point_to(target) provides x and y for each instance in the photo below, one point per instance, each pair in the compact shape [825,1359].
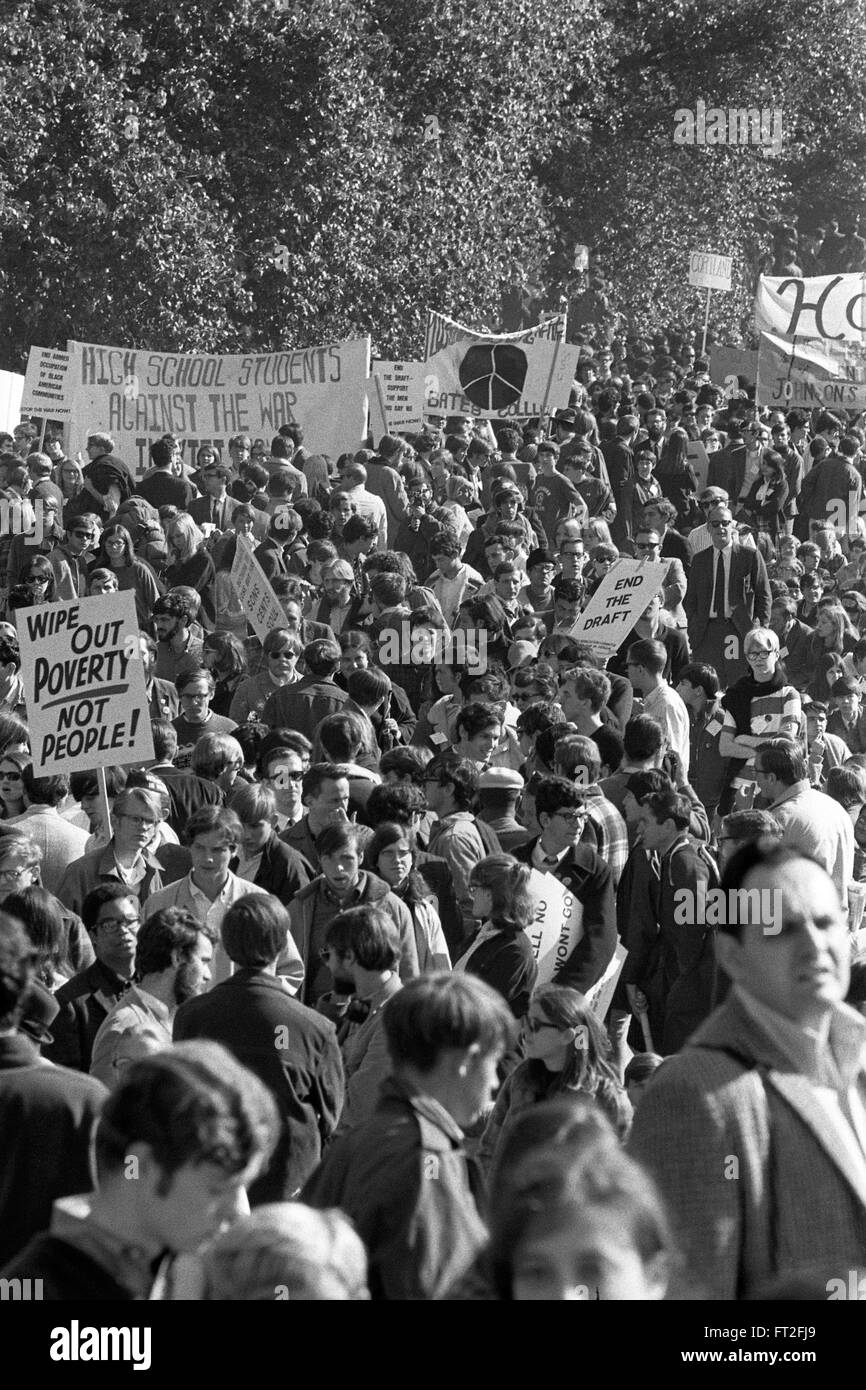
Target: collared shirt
[726,560]
[185,893]
[547,862]
[137,1026]
[832,1058]
[665,705]
[487,931]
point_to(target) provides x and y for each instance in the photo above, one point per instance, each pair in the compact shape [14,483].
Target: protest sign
[557,925]
[84,684]
[256,597]
[710,271]
[819,306]
[698,458]
[137,396]
[396,397]
[46,384]
[600,995]
[497,376]
[617,604]
[728,363]
[11,389]
[813,373]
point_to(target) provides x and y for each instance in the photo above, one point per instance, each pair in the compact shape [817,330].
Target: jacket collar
[439,1130]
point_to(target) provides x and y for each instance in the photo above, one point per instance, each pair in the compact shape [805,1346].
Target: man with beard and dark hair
[172,964]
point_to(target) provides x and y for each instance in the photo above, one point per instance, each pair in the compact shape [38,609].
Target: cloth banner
[617,603]
[84,684]
[254,591]
[396,398]
[820,306]
[137,396]
[828,374]
[11,400]
[46,384]
[497,376]
[727,363]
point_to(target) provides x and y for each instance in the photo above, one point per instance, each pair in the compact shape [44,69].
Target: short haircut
[49,791]
[322,656]
[191,1104]
[847,785]
[253,802]
[762,853]
[443,1012]
[197,673]
[368,686]
[341,736]
[322,772]
[702,677]
[590,684]
[255,930]
[459,773]
[276,743]
[610,746]
[359,528]
[83,784]
[407,760]
[651,655]
[370,933]
[208,818]
[750,825]
[643,738]
[336,839]
[214,754]
[168,931]
[670,805]
[103,893]
[474,717]
[784,759]
[398,802]
[388,589]
[578,751]
[165,740]
[136,798]
[554,793]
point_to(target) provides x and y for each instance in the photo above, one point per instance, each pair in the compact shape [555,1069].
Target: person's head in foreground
[286,1251]
[579,1221]
[446,1034]
[193,1128]
[787,942]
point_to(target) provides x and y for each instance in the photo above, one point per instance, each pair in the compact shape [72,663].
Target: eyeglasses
[284,775]
[537,1025]
[85,535]
[571,816]
[645,545]
[721,525]
[116,926]
[10,777]
[135,820]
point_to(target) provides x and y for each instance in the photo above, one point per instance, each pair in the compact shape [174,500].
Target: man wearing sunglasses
[69,558]
[728,594]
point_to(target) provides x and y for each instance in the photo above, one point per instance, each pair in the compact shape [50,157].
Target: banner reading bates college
[497,376]
[137,396]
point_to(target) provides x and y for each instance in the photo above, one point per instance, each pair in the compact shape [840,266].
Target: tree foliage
[223,176]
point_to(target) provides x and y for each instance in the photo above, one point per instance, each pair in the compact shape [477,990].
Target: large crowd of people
[284,972]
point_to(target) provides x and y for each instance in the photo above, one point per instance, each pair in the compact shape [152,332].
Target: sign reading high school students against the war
[84,684]
[817,306]
[255,595]
[811,373]
[497,376]
[616,605]
[137,396]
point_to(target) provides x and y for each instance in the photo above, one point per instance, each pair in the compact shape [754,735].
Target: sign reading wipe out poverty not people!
[84,684]
[617,603]
[497,376]
[137,396]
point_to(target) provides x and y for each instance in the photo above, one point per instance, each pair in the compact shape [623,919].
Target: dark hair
[459,773]
[49,791]
[512,906]
[750,825]
[369,933]
[368,686]
[610,746]
[394,802]
[763,853]
[208,818]
[702,677]
[322,656]
[167,931]
[784,759]
[474,717]
[341,736]
[645,784]
[255,930]
[408,760]
[41,915]
[278,741]
[190,1104]
[643,738]
[444,1012]
[334,839]
[669,805]
[847,785]
[100,895]
[17,970]
[554,793]
[319,773]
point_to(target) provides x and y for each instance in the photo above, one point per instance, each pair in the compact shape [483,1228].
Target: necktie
[214,511]
[717,609]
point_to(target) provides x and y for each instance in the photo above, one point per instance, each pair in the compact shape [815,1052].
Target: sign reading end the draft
[624,593]
[84,684]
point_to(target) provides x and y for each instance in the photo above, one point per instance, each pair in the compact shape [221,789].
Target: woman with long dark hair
[117,553]
[393,854]
[501,953]
[224,656]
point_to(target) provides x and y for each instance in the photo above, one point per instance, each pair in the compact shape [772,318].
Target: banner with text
[396,397]
[810,374]
[137,396]
[500,376]
[46,384]
[256,597]
[84,684]
[617,603]
[819,306]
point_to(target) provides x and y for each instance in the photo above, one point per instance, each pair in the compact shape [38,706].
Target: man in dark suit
[216,507]
[561,811]
[111,913]
[47,1114]
[795,640]
[304,705]
[290,1048]
[754,1131]
[728,595]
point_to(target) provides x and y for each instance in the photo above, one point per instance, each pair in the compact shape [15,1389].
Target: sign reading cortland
[709,270]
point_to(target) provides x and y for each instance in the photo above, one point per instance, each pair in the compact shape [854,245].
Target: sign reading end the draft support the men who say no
[84,684]
[617,603]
